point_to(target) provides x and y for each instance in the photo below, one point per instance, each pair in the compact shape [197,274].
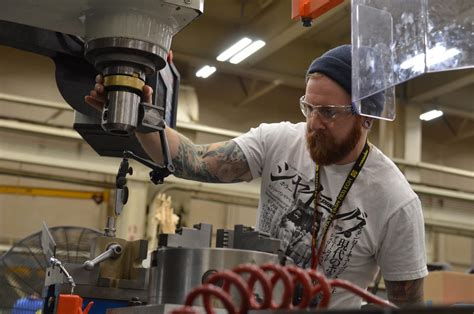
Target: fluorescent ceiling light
[229,52]
[430,115]
[253,47]
[205,71]
[435,55]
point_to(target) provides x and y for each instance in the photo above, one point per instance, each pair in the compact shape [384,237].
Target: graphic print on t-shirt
[288,216]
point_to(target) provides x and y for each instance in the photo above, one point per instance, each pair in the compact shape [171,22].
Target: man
[367,215]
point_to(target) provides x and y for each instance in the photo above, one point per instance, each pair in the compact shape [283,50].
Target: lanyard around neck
[350,179]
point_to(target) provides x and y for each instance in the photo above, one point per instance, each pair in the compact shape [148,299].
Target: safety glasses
[326,112]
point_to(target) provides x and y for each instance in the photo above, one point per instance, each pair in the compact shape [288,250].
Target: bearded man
[352,200]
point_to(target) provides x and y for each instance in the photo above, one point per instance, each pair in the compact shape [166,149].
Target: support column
[431,245]
[131,223]
[412,140]
[387,138]
[472,251]
[441,247]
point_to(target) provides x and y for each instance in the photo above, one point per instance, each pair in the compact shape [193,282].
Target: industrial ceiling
[266,86]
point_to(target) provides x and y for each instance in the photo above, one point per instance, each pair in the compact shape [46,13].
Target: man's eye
[327,112]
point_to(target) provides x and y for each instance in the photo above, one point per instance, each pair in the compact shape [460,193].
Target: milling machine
[115,281]
[128,43]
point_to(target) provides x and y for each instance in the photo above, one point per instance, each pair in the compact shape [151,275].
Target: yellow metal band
[124,80]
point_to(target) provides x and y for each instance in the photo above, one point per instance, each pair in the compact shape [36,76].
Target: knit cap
[335,64]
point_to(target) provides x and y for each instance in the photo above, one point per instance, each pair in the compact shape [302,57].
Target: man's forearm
[221,162]
[151,143]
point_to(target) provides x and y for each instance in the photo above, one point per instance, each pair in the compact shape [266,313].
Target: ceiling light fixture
[430,115]
[250,49]
[205,71]
[232,50]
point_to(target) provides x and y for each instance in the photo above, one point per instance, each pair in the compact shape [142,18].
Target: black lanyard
[350,179]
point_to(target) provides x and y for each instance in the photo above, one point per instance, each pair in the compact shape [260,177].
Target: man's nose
[315,122]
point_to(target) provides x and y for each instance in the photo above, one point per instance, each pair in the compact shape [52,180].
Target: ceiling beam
[38,128]
[64,132]
[33,101]
[458,112]
[245,71]
[260,93]
[444,89]
[460,137]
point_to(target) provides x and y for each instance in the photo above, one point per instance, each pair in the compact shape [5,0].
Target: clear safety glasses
[326,112]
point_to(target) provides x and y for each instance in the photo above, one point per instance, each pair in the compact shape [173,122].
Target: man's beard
[323,148]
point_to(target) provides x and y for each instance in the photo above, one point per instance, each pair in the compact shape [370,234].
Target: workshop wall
[221,215]
[29,75]
[455,155]
[21,215]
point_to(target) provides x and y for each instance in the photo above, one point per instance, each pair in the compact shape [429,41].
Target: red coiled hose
[302,277]
[256,274]
[322,286]
[280,273]
[360,292]
[207,290]
[230,278]
[269,275]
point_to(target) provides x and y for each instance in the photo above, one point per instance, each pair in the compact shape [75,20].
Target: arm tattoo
[215,163]
[405,292]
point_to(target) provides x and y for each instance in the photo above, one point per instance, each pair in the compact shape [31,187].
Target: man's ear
[367,123]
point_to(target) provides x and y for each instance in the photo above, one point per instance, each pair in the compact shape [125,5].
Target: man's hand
[97,97]
[403,293]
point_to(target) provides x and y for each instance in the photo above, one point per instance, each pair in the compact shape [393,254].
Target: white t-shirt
[380,222]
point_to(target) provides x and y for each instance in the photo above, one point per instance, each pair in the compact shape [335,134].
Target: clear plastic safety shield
[450,35]
[396,40]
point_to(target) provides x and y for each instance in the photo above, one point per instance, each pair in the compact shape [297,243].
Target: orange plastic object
[72,304]
[311,8]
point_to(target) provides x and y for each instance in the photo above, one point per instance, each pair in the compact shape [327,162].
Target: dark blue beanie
[335,64]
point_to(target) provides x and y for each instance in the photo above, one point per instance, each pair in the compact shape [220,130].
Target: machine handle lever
[158,172]
[113,251]
[55,262]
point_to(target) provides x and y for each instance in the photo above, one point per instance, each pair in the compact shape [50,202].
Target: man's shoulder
[286,126]
[386,177]
[275,142]
[282,133]
[384,166]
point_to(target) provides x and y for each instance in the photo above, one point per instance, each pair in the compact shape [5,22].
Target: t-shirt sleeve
[253,147]
[402,253]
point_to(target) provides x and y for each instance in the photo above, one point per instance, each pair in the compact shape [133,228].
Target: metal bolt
[187,1]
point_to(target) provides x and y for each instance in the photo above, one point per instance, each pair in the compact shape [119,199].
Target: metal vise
[246,238]
[198,237]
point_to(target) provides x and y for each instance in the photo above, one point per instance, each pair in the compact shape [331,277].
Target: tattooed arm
[403,293]
[219,162]
[222,162]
